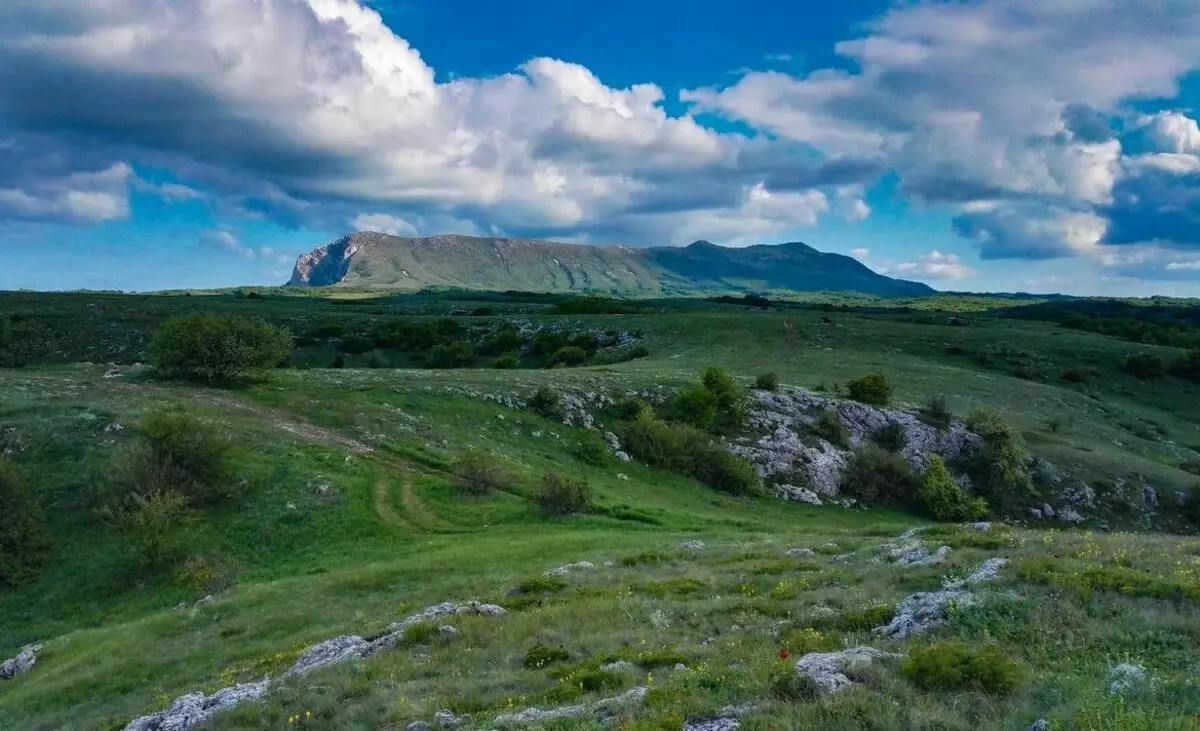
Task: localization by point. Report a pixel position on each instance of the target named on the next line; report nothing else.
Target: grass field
(347, 518)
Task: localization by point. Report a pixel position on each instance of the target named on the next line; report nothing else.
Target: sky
(978, 145)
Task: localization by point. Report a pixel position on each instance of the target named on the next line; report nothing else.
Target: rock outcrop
(22, 663)
(827, 669)
(918, 613)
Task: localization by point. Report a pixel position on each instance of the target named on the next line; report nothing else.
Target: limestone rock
(925, 610)
(531, 716)
(826, 668)
(798, 494)
(800, 553)
(22, 663)
(1125, 676)
(692, 545)
(194, 709)
(447, 719)
(329, 652)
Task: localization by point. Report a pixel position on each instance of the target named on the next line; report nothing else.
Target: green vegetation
(767, 382)
(943, 498)
(876, 475)
(559, 495)
(24, 542)
(955, 666)
(873, 389)
(24, 341)
(479, 474)
(339, 510)
(217, 347)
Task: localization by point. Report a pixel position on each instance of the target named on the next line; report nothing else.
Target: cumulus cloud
(861, 254)
(228, 240)
(934, 265)
(384, 224)
(315, 110)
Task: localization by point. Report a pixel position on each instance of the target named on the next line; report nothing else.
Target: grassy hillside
(379, 261)
(347, 516)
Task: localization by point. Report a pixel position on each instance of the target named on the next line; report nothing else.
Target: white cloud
(934, 265)
(75, 197)
(861, 254)
(227, 240)
(384, 224)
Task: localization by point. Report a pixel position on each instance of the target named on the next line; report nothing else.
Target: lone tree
(214, 348)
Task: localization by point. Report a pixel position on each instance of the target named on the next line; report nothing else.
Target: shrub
(1145, 366)
(569, 355)
(479, 474)
(785, 684)
(696, 407)
(873, 389)
(936, 411)
(999, 469)
(731, 404)
(375, 360)
(689, 451)
(593, 450)
(506, 361)
(767, 382)
(829, 428)
(561, 495)
(875, 475)
(505, 340)
(24, 541)
(956, 666)
(864, 619)
(543, 585)
(891, 437)
(546, 402)
(1188, 367)
(24, 342)
(454, 355)
(176, 453)
(150, 523)
(800, 642)
(943, 498)
(421, 633)
(339, 361)
(206, 347)
(356, 344)
(539, 656)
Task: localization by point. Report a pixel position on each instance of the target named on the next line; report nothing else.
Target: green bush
(539, 656)
(505, 340)
(24, 342)
(480, 474)
(547, 403)
(150, 522)
(356, 344)
(592, 450)
(999, 470)
(891, 437)
(873, 389)
(1188, 367)
(560, 495)
(696, 407)
(829, 427)
(24, 542)
(936, 411)
(453, 355)
(421, 633)
(767, 382)
(569, 355)
(175, 452)
(1145, 366)
(863, 619)
(789, 686)
(214, 348)
(943, 498)
(801, 641)
(731, 403)
(506, 361)
(875, 475)
(956, 666)
(339, 361)
(689, 451)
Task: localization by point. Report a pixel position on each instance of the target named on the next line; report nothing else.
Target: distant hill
(484, 263)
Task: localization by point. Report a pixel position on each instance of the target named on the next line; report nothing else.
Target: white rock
(531, 716)
(925, 610)
(447, 719)
(826, 668)
(1124, 677)
(914, 553)
(23, 662)
(982, 526)
(692, 545)
(448, 631)
(194, 709)
(798, 494)
(329, 652)
(800, 553)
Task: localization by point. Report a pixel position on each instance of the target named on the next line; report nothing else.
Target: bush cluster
(479, 474)
(891, 437)
(24, 540)
(936, 411)
(687, 450)
(24, 342)
(957, 666)
(1145, 366)
(559, 495)
(875, 475)
(829, 427)
(767, 382)
(214, 348)
(873, 389)
(716, 405)
(943, 498)
(999, 470)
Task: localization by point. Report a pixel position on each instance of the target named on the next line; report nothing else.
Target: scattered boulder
(826, 668)
(22, 663)
(447, 631)
(447, 719)
(713, 724)
(982, 526)
(1150, 496)
(417, 726)
(194, 709)
(579, 566)
(1069, 515)
(113, 371)
(1124, 677)
(1040, 725)
(329, 652)
(531, 716)
(692, 545)
(798, 494)
(914, 553)
(614, 446)
(920, 612)
(800, 553)
(620, 666)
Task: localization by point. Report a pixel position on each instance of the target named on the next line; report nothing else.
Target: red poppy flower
(783, 654)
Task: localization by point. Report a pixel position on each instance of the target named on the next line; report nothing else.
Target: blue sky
(1036, 145)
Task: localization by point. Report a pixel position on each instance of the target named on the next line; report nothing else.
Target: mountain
(376, 260)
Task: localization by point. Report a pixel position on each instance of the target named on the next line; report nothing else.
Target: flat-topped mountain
(488, 263)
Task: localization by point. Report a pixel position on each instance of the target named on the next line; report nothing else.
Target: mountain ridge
(374, 260)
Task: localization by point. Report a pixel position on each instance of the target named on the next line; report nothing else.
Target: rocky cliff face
(329, 264)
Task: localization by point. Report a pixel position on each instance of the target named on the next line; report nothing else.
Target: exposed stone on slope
(920, 612)
(602, 707)
(692, 545)
(191, 710)
(23, 662)
(826, 669)
(914, 553)
(1124, 677)
(329, 652)
(784, 419)
(800, 553)
(578, 566)
(798, 494)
